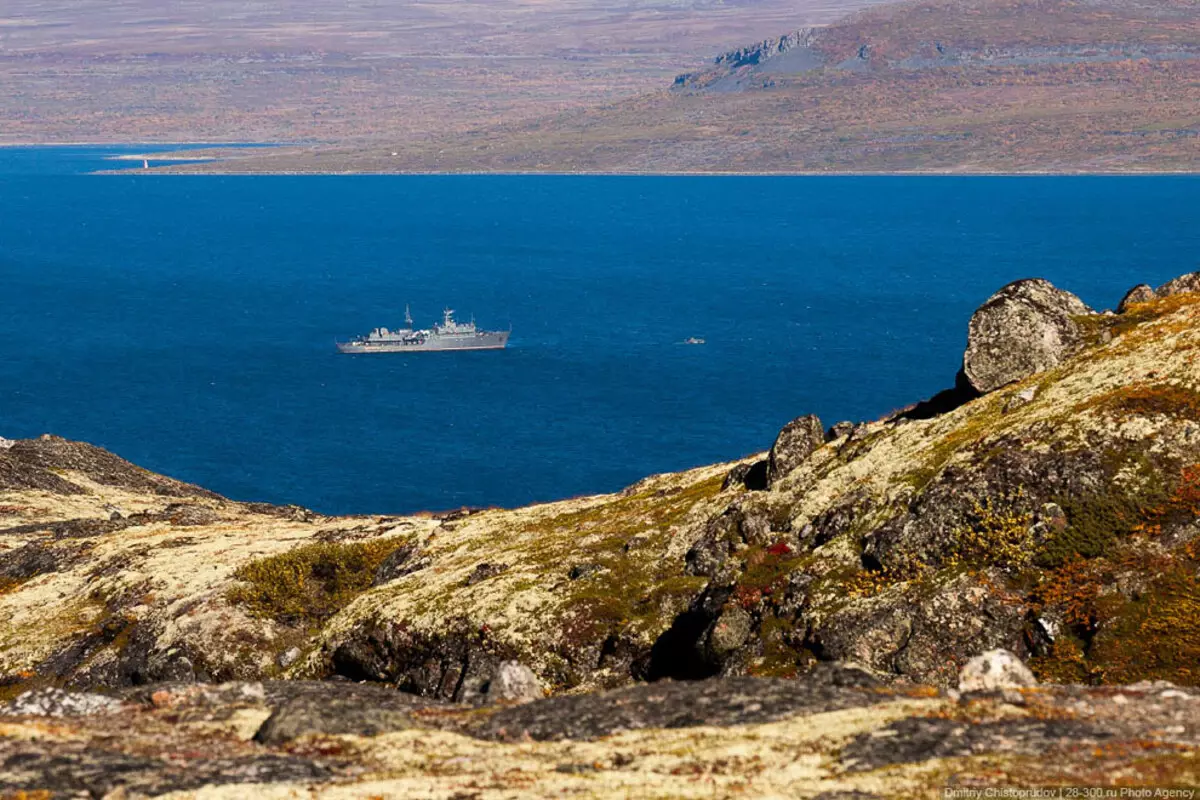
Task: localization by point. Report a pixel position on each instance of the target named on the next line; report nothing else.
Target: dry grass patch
(309, 584)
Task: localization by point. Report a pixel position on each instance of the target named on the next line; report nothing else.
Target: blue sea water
(187, 323)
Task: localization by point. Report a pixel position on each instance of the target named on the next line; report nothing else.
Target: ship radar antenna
(407, 316)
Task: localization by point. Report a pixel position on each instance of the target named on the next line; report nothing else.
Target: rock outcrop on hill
(1144, 294)
(795, 443)
(1053, 512)
(1141, 293)
(1027, 327)
(952, 34)
(753, 55)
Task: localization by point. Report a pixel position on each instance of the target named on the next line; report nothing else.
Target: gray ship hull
(481, 340)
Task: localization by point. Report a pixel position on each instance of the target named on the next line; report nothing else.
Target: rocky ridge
(897, 37)
(1049, 510)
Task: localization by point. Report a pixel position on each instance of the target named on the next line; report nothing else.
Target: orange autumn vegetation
(1120, 626)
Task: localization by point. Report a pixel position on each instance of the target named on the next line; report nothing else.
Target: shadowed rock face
(1025, 328)
(736, 701)
(922, 740)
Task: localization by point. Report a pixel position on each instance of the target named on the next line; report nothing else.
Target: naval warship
(449, 335)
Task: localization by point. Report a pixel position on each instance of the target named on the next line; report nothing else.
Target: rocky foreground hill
(803, 623)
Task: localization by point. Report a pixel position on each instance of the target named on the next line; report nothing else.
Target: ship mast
(407, 316)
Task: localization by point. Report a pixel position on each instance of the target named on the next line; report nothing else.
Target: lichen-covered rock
(795, 443)
(1184, 283)
(1142, 293)
(337, 709)
(1027, 327)
(289, 657)
(47, 462)
(1018, 399)
(924, 632)
(735, 528)
(729, 632)
(59, 703)
(993, 671)
(513, 682)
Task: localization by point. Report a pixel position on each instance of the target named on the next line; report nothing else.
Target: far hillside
(332, 71)
(948, 85)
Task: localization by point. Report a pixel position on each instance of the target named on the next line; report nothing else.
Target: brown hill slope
(949, 85)
(142, 70)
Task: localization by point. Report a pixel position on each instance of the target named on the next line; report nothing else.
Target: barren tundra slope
(932, 85)
(140, 70)
(818, 609)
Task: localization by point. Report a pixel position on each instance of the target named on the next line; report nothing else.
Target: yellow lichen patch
(1182, 308)
(998, 537)
(869, 583)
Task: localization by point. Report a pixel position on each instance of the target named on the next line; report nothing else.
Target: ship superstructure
(447, 335)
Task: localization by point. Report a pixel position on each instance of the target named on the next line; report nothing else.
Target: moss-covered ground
(307, 585)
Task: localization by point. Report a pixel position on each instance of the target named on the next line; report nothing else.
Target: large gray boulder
(795, 443)
(1027, 327)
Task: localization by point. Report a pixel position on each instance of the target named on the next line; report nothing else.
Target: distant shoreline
(163, 151)
(671, 174)
(135, 144)
(198, 143)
